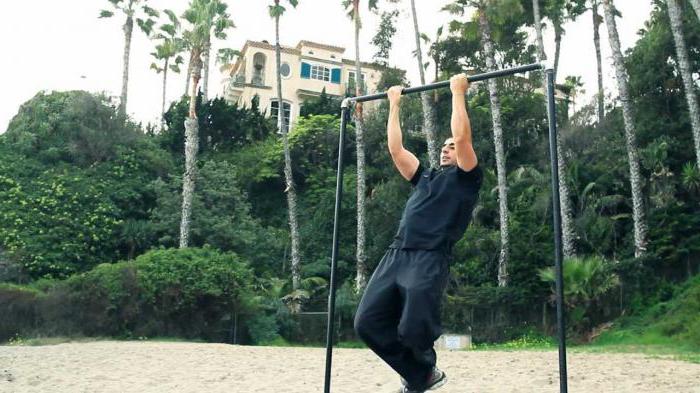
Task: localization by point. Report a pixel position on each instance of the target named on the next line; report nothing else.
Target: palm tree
(485, 29)
(205, 17)
(640, 227)
(361, 276)
(130, 8)
(205, 71)
(674, 13)
(568, 234)
(428, 110)
(538, 30)
(559, 12)
(483, 8)
(585, 282)
(225, 58)
(597, 20)
(170, 46)
(276, 10)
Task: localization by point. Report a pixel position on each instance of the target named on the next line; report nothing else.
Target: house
(306, 70)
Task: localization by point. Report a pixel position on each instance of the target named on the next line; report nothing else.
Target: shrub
(190, 293)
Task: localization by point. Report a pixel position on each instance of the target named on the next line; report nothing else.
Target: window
(287, 110)
(285, 70)
(321, 73)
(259, 61)
(351, 83)
(351, 78)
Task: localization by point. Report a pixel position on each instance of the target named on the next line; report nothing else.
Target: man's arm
(405, 161)
(461, 127)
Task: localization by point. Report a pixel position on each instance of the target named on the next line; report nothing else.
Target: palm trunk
(189, 73)
(538, 30)
(599, 60)
(128, 29)
(674, 13)
(191, 147)
(162, 106)
(567, 226)
(640, 228)
(498, 144)
(361, 277)
(558, 31)
(565, 206)
(290, 189)
(205, 77)
(428, 110)
(696, 7)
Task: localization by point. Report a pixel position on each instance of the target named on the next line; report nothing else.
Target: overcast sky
(62, 45)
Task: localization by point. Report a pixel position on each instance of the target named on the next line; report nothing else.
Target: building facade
(306, 70)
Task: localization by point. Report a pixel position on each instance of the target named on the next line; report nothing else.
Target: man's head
(448, 154)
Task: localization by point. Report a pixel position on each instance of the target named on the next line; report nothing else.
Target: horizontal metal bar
(433, 86)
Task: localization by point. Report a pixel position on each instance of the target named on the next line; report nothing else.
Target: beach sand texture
(118, 366)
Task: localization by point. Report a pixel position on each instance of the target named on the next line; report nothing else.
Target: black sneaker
(436, 379)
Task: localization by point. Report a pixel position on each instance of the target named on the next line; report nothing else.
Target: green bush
(680, 317)
(263, 329)
(18, 310)
(190, 293)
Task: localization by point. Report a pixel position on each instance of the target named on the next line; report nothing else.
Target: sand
(109, 366)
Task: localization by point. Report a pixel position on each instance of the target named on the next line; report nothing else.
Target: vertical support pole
(334, 254)
(558, 254)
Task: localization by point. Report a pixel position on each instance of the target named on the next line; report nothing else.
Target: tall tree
(640, 226)
(426, 102)
(597, 20)
(568, 234)
(436, 55)
(485, 29)
(206, 60)
(361, 276)
(538, 30)
(383, 39)
(132, 9)
(226, 56)
(484, 9)
(205, 17)
(559, 12)
(171, 45)
(674, 13)
(276, 10)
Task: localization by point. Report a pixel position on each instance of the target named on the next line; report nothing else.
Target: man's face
(448, 155)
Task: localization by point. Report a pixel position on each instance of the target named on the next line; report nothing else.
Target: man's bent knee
(361, 327)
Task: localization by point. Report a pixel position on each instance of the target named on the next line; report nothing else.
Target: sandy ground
(190, 367)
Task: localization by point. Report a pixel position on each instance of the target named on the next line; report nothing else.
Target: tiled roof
(320, 46)
(362, 63)
(267, 45)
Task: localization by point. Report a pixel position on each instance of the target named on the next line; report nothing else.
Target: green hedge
(190, 293)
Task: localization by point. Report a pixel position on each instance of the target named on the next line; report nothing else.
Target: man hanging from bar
(399, 314)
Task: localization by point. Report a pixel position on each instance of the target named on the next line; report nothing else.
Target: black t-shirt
(439, 209)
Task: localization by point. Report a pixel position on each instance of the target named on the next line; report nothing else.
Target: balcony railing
(258, 79)
(239, 80)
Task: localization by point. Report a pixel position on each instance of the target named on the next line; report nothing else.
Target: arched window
(259, 60)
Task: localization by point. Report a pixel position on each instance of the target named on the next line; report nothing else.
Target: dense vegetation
(90, 210)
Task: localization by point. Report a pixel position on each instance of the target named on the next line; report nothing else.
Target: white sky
(62, 45)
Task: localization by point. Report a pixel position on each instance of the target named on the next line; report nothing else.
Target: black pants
(399, 314)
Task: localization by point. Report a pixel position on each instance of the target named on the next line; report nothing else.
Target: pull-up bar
(551, 113)
(437, 85)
